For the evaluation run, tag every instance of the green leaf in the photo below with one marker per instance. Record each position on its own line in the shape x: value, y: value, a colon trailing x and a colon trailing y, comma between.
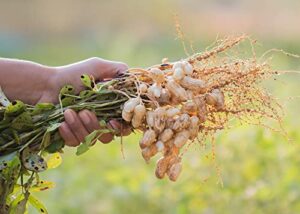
x: 46, y: 139
x: 104, y: 131
x: 18, y: 205
x: 67, y: 89
x: 16, y: 191
x: 102, y: 87
x: 90, y: 140
x: 42, y: 107
x: 16, y: 136
x: 53, y: 127
x: 23, y: 121
x: 102, y: 123
x: 55, y: 146
x: 7, y: 134
x: 15, y: 108
x: 37, y: 204
x: 86, y: 94
x: 67, y: 101
x: 45, y: 106
x: 10, y: 160
x: 4, y: 123
x: 82, y: 148
x: 86, y: 81
x: 15, y: 162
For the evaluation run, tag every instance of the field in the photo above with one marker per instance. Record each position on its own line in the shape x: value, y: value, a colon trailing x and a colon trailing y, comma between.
x: 256, y: 170
x: 259, y: 168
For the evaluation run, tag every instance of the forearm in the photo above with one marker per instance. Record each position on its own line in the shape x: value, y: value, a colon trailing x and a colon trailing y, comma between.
x: 17, y: 75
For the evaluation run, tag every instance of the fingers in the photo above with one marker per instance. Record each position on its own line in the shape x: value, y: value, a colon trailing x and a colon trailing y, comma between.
x: 89, y: 120
x: 106, y: 138
x: 77, y: 126
x: 122, y: 130
x: 91, y: 123
x: 105, y: 69
x: 99, y: 68
x: 67, y: 135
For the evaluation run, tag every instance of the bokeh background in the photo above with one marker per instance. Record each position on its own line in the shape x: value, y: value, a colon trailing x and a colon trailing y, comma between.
x: 260, y: 169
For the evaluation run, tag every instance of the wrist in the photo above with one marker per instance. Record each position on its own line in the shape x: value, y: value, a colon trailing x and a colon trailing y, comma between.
x: 45, y: 85
x: 51, y: 77
x: 24, y: 80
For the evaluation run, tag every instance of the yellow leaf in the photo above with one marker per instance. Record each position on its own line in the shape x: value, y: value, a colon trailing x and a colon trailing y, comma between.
x: 54, y: 160
x: 42, y: 186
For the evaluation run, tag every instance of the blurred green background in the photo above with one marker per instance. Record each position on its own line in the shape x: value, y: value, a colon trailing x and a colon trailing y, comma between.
x: 259, y: 168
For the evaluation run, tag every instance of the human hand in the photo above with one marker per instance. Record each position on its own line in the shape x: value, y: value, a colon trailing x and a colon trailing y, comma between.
x: 79, y: 125
x: 34, y: 83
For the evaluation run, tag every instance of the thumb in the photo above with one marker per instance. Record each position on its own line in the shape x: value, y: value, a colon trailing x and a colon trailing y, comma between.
x: 105, y: 69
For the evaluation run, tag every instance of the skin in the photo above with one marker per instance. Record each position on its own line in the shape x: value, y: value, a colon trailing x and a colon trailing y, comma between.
x: 35, y: 83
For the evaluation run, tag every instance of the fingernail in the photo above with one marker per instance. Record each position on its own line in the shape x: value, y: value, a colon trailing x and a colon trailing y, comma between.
x: 110, y: 126
x: 120, y: 73
x: 86, y: 118
x: 113, y: 126
x: 70, y: 116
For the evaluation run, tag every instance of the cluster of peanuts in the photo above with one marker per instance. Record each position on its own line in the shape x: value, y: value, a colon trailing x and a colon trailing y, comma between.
x: 173, y: 117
